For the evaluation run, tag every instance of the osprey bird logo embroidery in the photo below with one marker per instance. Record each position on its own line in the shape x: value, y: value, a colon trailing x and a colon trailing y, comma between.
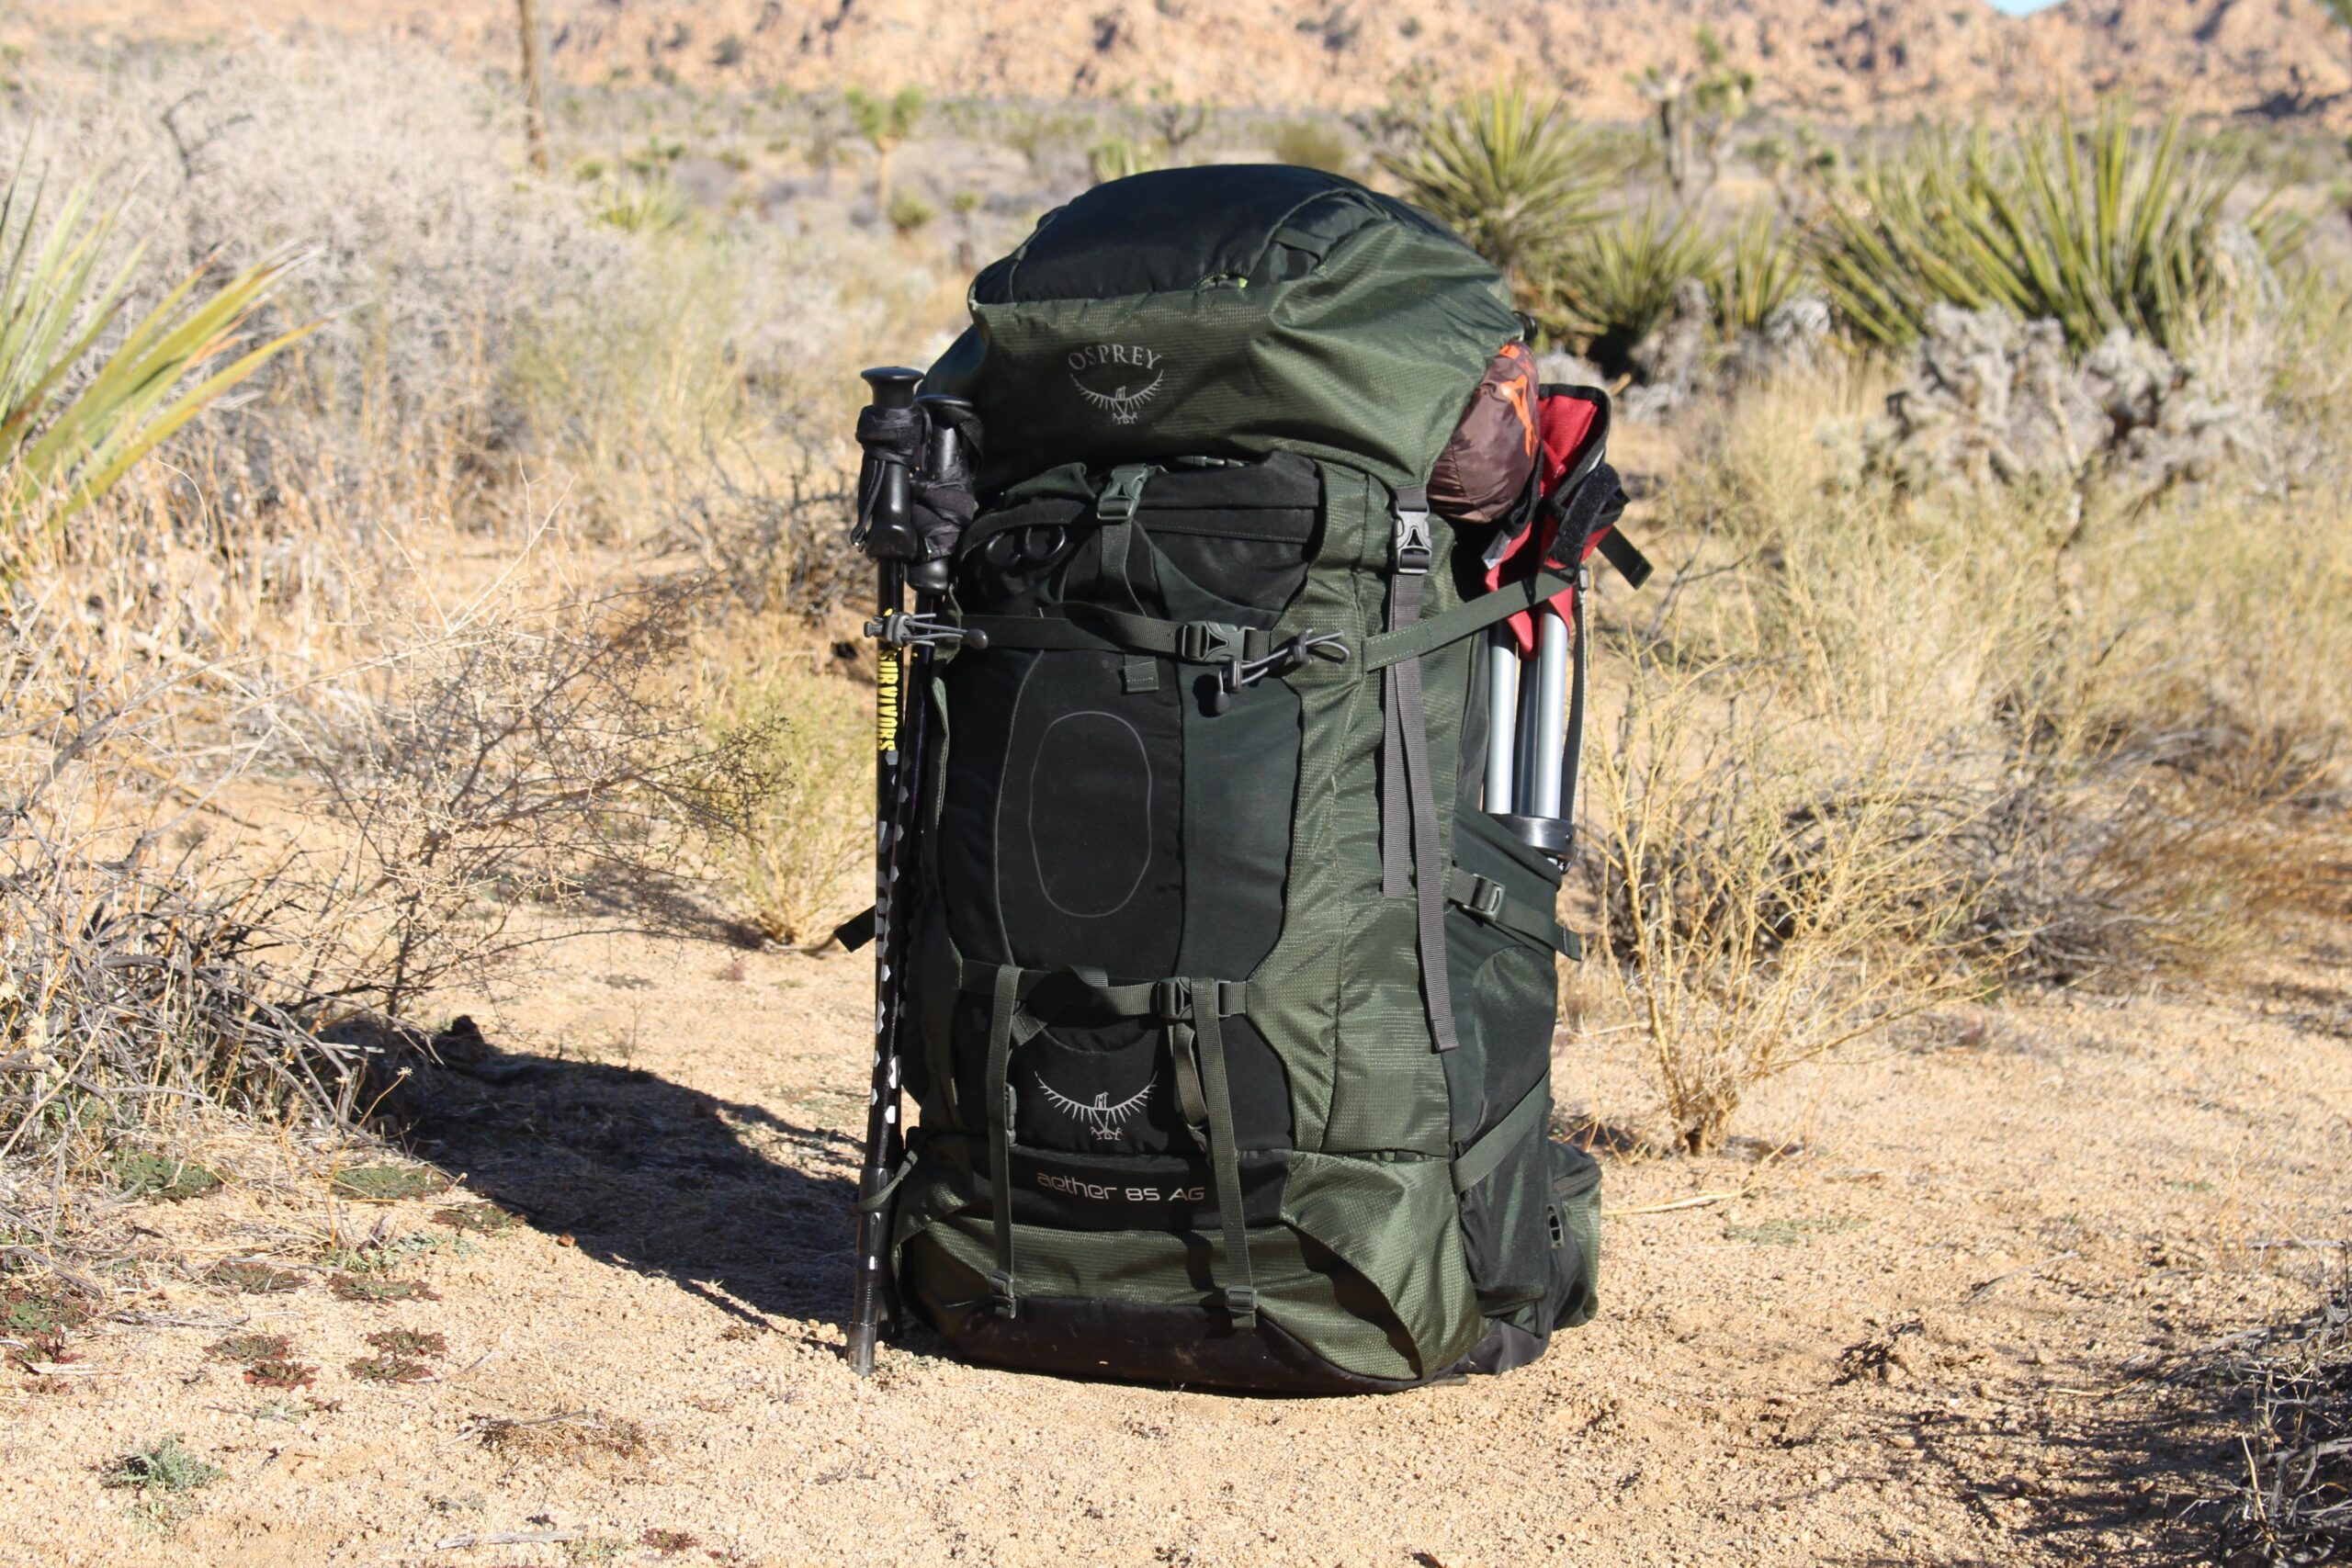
x: 1103, y: 1118
x: 1119, y: 402
x: 1117, y: 377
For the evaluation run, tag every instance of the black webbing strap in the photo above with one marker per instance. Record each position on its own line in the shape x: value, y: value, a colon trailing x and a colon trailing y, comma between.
x: 1486, y: 1156
x: 1484, y: 899
x: 1006, y: 996
x: 1409, y: 642
x: 1053, y: 989
x: 1240, y: 1288
x: 1579, y: 677
x: 1630, y: 564
x: 1115, y: 631
x: 1407, y: 759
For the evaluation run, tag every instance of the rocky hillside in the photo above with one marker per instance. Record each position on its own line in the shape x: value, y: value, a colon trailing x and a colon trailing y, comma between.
x: 1830, y: 57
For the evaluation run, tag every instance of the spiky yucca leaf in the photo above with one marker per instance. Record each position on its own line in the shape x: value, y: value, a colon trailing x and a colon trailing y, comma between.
x: 1763, y: 270
x: 2095, y: 228
x: 1618, y: 280
x: 69, y: 430
x: 1513, y: 174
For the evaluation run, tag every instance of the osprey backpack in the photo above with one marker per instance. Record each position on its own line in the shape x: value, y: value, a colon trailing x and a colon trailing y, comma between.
x: 1231, y: 981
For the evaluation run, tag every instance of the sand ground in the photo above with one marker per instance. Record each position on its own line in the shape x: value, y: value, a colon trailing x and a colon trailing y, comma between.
x: 1929, y: 1336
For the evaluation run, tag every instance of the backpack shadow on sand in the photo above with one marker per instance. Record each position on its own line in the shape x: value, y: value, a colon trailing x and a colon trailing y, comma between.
x: 728, y: 1201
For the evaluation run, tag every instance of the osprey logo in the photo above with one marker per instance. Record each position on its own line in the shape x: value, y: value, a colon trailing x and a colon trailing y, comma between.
x: 1117, y: 377
x: 1103, y: 1118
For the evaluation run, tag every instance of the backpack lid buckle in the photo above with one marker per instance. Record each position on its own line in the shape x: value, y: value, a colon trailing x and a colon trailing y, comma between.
x: 1412, y: 550
x: 1123, y: 493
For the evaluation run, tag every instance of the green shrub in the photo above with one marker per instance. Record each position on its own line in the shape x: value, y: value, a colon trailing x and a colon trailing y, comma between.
x: 649, y: 206
x: 1311, y: 145
x: 1513, y: 174
x: 1617, y: 281
x: 908, y: 213
x: 1117, y: 158
x: 2095, y: 228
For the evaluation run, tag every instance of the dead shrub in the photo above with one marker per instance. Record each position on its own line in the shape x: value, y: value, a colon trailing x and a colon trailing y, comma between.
x: 1766, y: 897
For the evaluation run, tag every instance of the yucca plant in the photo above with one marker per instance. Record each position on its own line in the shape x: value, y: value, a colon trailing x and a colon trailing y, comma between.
x: 2095, y: 228
x: 1763, y: 269
x: 1617, y: 281
x: 76, y: 413
x: 1514, y: 175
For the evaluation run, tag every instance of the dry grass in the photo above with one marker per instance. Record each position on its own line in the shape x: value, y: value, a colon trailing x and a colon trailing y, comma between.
x: 1883, y: 747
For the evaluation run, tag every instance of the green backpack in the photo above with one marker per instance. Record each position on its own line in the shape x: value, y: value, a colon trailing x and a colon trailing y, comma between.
x: 1230, y: 1005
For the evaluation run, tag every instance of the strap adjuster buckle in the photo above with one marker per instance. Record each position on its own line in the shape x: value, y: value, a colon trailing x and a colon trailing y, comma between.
x: 1413, y: 549
x: 1123, y: 494
x: 1486, y: 900
x: 1210, y: 642
x: 1000, y: 1294
x: 1241, y: 1300
x: 1171, y: 1000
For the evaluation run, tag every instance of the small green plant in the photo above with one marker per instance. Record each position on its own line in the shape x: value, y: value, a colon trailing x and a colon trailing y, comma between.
x: 251, y: 1279
x: 410, y: 1342
x: 2095, y: 228
x: 1793, y: 1233
x: 250, y: 1347
x: 1513, y: 173
x: 388, y: 1368
x: 668, y: 1543
x: 161, y: 1476
x: 24, y: 1312
x: 1617, y: 281
x: 378, y: 1292
x: 910, y: 213
x: 387, y: 1183
x: 145, y: 1175
x: 281, y: 1372
x: 477, y: 1219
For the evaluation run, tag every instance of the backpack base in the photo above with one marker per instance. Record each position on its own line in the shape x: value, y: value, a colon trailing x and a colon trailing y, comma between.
x: 1186, y: 1347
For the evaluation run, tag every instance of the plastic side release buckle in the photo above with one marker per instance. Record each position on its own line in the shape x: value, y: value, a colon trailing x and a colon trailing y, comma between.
x: 1123, y: 493
x: 1210, y: 642
x: 1171, y: 1000
x: 1486, y: 900
x: 1413, y: 551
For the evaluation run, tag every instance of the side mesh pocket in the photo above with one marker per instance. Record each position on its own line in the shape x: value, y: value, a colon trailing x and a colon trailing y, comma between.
x: 1574, y: 1223
x: 1504, y: 1184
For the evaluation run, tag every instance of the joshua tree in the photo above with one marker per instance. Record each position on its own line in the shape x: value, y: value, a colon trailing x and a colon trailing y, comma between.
x: 886, y: 123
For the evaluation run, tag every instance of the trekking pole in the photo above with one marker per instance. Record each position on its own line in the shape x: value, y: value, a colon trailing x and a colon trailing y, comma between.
x: 890, y: 430
x: 1502, y: 721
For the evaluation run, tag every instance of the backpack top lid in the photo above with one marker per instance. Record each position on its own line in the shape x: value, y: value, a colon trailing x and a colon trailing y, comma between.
x: 1227, y: 310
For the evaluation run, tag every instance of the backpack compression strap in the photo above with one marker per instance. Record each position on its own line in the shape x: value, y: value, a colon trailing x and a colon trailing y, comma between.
x: 1409, y: 860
